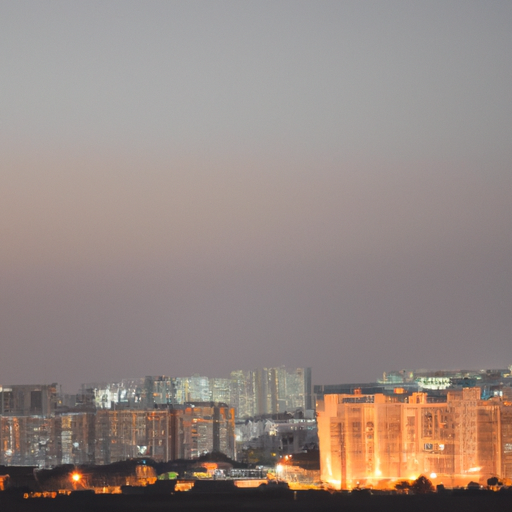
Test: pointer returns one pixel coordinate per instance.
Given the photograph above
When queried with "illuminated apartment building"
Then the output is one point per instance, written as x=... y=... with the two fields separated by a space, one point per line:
x=27 y=429
x=26 y=400
x=242 y=393
x=28 y=441
x=220 y=390
x=75 y=433
x=180 y=390
x=159 y=435
x=126 y=392
x=181 y=431
x=120 y=435
x=377 y=439
x=506 y=441
x=271 y=391
x=203 y=427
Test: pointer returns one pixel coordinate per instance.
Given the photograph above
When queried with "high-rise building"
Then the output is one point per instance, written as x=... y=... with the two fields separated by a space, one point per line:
x=27 y=429
x=371 y=439
x=120 y=435
x=220 y=390
x=198 y=389
x=126 y=392
x=28 y=441
x=243 y=393
x=25 y=400
x=179 y=390
x=160 y=390
x=203 y=427
x=75 y=436
x=271 y=391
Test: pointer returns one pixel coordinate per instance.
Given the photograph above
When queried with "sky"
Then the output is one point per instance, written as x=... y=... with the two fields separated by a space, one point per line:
x=205 y=186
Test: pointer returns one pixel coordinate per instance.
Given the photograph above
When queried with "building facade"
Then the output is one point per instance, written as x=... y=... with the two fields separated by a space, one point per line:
x=107 y=436
x=178 y=432
x=26 y=400
x=271 y=391
x=377 y=439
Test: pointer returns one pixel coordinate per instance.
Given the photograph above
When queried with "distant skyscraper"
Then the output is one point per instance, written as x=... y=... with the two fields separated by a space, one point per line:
x=271 y=391
x=243 y=393
x=28 y=399
x=198 y=389
x=220 y=390
x=159 y=390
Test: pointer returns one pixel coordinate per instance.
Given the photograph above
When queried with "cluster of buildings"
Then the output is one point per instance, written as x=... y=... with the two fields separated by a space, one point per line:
x=452 y=426
x=106 y=436
x=251 y=393
x=165 y=418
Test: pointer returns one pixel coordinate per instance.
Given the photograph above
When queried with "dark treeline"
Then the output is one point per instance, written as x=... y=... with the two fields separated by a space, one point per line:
x=281 y=500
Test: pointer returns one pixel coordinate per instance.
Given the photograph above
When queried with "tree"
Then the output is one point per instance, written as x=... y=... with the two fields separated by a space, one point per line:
x=494 y=482
x=422 y=485
x=403 y=486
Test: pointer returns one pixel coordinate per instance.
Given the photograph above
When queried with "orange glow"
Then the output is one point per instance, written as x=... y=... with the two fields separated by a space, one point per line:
x=210 y=466
x=245 y=484
x=184 y=486
x=76 y=477
x=380 y=440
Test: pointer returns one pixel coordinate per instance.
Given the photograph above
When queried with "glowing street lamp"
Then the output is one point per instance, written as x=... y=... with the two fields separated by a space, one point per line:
x=75 y=478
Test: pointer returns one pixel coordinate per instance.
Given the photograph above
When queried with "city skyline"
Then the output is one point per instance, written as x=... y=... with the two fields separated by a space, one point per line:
x=192 y=187
x=452 y=425
x=211 y=388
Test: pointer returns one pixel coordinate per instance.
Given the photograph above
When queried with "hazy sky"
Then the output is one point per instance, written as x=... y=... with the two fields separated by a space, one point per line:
x=203 y=186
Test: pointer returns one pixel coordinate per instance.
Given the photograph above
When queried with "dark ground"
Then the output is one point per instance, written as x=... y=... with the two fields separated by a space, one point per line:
x=259 y=501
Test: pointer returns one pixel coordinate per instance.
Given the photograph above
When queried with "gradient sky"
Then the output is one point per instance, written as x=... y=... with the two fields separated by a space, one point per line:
x=203 y=186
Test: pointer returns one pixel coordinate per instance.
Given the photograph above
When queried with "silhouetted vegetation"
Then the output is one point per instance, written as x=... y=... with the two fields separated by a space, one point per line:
x=403 y=486
x=422 y=485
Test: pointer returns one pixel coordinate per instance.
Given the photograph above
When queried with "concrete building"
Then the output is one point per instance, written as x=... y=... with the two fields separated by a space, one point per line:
x=27 y=430
x=276 y=436
x=75 y=435
x=203 y=427
x=126 y=393
x=243 y=394
x=120 y=435
x=271 y=391
x=28 y=441
x=26 y=400
x=377 y=439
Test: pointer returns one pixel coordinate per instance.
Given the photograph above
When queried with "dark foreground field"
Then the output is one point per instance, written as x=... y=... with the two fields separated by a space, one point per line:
x=256 y=501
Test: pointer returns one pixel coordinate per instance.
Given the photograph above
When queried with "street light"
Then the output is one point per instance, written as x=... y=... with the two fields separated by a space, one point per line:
x=75 y=478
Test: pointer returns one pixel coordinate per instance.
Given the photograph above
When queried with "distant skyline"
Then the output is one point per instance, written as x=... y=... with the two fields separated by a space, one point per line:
x=196 y=187
x=419 y=373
